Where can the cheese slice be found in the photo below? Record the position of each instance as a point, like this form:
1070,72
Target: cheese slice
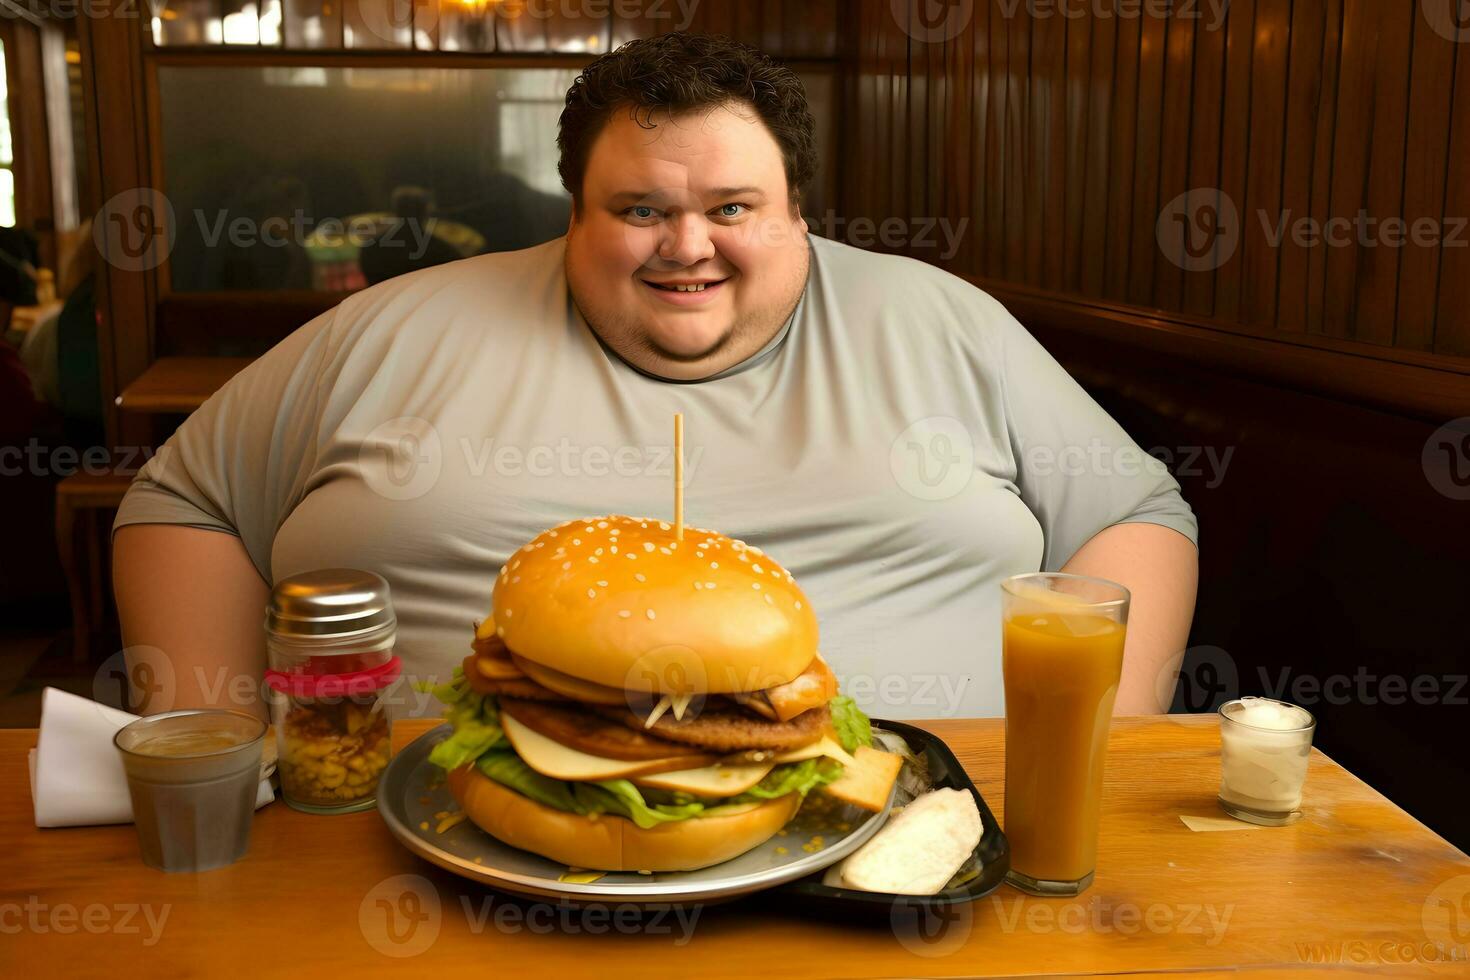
565,684
495,669
551,758
711,781
825,746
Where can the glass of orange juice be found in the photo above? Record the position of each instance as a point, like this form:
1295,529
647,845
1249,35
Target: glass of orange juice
1062,656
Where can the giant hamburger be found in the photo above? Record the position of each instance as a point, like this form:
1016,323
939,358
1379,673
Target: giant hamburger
637,702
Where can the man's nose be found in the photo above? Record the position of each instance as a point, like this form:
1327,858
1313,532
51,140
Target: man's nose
686,240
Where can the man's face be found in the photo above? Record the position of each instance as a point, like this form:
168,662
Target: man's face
686,254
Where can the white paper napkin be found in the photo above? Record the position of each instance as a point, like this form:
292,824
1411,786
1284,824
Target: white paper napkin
77,776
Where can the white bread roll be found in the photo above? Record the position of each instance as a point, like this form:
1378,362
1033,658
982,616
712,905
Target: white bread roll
920,848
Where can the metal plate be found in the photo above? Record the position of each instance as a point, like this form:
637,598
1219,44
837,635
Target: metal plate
410,780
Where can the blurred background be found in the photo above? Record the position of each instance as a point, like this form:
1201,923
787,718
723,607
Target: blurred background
1242,226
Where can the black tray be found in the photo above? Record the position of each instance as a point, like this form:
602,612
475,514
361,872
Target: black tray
993,853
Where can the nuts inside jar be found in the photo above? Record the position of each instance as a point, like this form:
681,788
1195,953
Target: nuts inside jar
333,750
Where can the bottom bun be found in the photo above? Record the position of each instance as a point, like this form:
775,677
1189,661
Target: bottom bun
613,843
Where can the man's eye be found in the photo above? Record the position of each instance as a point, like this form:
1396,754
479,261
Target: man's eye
642,212
732,210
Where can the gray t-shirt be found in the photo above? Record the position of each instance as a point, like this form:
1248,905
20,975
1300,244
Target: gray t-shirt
901,447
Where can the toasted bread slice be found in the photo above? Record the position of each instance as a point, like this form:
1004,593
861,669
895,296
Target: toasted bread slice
868,783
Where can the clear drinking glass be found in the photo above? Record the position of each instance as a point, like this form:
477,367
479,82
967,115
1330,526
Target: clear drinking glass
1062,654
1264,749
193,778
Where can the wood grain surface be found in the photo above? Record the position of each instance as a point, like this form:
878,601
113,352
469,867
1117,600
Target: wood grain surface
1357,884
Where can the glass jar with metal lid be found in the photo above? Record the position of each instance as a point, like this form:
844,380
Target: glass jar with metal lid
329,638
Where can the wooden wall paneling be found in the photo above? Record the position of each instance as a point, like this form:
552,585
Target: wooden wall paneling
1326,142
516,30
1123,148
1304,89
1205,134
628,22
981,128
814,26
571,28
1046,153
1099,177
1078,102
997,144
915,183
1431,97
1452,325
1235,142
1174,136
1350,153
1152,50
1378,261
959,202
896,55
1018,39
1260,256
28,126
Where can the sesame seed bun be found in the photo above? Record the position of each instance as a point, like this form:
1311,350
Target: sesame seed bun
621,602
613,843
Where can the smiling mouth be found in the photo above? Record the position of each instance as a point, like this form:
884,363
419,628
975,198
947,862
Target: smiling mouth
691,287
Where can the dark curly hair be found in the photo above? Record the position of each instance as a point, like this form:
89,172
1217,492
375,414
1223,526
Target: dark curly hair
678,73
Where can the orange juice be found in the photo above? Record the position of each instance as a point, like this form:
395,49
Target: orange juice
1061,678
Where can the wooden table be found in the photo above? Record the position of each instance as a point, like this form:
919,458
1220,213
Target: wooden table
178,385
1357,883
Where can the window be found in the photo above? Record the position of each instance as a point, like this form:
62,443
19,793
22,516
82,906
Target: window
7,152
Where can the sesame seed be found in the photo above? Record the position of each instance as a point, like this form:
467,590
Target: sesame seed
709,585
509,613
500,632
650,614
602,523
540,544
798,603
714,564
640,576
566,565
699,554
624,614
663,525
602,582
553,533
587,529
642,523
598,551
630,555
699,585
757,569
615,532
592,559
515,564
755,585
769,599
666,551
592,593
515,580
648,546
576,541
613,549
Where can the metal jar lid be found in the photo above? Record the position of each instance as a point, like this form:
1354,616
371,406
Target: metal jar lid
330,603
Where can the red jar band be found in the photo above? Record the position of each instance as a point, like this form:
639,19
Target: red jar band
353,684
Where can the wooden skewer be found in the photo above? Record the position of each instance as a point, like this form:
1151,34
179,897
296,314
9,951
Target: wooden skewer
678,476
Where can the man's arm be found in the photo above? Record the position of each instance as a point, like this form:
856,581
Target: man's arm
1160,567
192,607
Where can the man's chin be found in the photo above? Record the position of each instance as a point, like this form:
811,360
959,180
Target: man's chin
688,346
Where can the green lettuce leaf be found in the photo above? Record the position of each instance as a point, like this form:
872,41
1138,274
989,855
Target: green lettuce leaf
507,769
476,722
853,727
795,777
621,797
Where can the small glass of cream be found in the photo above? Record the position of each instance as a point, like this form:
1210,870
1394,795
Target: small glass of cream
1264,748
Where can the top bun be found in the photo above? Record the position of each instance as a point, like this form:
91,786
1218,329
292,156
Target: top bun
619,601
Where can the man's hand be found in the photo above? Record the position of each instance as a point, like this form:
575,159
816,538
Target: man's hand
1160,567
192,607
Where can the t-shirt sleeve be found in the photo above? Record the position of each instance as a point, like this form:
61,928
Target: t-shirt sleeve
241,461
1077,470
